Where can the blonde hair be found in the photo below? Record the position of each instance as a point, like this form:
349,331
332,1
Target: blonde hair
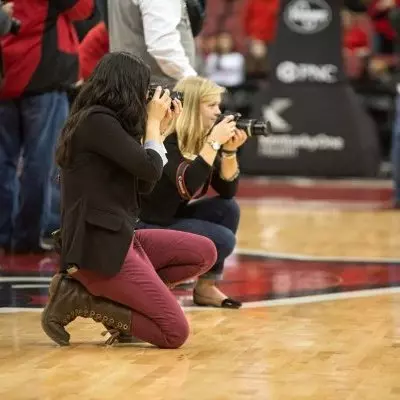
189,125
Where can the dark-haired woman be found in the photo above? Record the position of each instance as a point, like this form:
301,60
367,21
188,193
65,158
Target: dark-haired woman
110,151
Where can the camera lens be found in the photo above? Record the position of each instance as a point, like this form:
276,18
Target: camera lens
254,127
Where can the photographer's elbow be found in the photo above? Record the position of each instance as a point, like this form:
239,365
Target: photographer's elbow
154,175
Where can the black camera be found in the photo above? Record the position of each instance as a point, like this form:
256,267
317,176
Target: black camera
15,26
173,94
252,127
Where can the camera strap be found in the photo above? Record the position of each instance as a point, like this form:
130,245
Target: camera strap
181,185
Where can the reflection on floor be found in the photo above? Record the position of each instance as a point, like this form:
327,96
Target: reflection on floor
318,267
294,241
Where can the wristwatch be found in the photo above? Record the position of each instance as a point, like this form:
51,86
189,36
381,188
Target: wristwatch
214,144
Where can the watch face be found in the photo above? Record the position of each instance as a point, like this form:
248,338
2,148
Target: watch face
216,145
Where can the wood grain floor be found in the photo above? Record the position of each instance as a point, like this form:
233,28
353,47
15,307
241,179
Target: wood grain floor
346,349
320,232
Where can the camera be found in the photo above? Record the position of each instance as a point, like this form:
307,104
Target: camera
15,26
173,94
252,127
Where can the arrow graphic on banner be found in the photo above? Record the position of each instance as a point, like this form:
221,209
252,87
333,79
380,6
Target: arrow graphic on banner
273,111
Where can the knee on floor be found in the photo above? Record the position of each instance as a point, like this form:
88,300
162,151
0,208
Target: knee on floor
177,334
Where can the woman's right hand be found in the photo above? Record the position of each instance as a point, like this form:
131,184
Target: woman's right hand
158,106
224,130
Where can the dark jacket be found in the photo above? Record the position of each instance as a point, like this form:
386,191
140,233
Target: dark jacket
357,6
43,56
102,6
100,193
394,18
164,203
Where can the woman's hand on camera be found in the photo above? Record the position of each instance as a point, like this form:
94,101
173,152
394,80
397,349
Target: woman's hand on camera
224,130
236,140
158,106
171,114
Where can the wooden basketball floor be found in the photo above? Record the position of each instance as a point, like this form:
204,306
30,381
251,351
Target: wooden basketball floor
318,268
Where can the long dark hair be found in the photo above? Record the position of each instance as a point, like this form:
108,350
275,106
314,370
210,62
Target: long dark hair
119,82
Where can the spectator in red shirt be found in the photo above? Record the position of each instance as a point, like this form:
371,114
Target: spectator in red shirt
379,10
40,63
93,47
355,38
260,19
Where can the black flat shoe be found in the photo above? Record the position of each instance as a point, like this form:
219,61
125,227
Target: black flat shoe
208,302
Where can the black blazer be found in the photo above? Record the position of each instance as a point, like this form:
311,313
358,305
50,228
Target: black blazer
100,193
164,203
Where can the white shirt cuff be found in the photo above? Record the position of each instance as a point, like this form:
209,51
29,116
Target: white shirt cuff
159,148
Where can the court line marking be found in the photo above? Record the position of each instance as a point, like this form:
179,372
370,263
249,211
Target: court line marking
319,298
357,294
310,182
25,278
315,204
256,304
30,286
311,258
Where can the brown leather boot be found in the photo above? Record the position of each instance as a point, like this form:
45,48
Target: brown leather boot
69,299
124,338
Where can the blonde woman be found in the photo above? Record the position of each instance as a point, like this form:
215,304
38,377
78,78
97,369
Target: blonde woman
201,154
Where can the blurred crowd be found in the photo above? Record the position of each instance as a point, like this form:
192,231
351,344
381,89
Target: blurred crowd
232,50
48,49
237,35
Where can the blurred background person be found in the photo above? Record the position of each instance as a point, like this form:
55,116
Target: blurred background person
225,66
92,48
40,63
395,149
159,31
6,25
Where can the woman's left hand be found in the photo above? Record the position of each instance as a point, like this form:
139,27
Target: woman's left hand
171,114
236,141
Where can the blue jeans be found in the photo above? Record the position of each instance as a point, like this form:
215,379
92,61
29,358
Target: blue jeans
29,127
51,219
215,218
396,152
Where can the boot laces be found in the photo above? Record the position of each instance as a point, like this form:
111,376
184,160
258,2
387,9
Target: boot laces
114,335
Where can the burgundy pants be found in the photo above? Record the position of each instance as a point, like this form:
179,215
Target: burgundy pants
156,257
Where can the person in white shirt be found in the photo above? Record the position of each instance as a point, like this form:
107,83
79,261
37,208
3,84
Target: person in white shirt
225,66
159,31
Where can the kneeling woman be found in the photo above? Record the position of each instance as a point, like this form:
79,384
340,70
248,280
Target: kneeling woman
109,272
200,154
